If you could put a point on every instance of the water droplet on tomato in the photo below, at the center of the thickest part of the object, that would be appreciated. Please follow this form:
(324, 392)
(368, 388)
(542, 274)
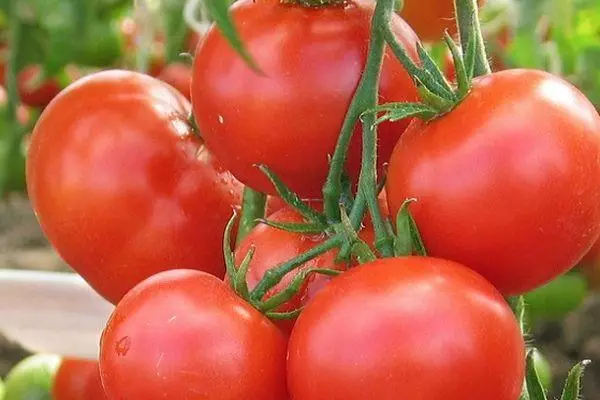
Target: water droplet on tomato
(123, 346)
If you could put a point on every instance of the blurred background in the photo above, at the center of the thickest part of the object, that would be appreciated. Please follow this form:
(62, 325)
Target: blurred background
(47, 44)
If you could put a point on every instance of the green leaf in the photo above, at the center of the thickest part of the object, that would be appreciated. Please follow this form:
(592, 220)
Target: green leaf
(240, 281)
(292, 198)
(532, 379)
(462, 77)
(407, 239)
(307, 228)
(403, 244)
(573, 383)
(219, 11)
(228, 251)
(433, 70)
(396, 111)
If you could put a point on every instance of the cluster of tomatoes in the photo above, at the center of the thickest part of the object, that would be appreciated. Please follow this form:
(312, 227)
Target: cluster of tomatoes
(137, 199)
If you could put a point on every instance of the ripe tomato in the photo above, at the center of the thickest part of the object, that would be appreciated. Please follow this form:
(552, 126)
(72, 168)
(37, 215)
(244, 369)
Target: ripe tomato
(430, 18)
(406, 328)
(290, 117)
(78, 379)
(184, 335)
(179, 76)
(33, 94)
(507, 182)
(121, 185)
(275, 246)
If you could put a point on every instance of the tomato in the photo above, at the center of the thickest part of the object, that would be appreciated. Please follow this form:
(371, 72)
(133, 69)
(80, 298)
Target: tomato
(406, 328)
(184, 335)
(507, 182)
(32, 378)
(78, 379)
(275, 246)
(179, 76)
(430, 18)
(557, 298)
(32, 93)
(121, 185)
(290, 117)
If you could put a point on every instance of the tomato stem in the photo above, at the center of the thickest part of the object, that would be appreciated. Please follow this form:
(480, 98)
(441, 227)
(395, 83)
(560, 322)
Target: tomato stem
(365, 98)
(274, 275)
(253, 208)
(469, 28)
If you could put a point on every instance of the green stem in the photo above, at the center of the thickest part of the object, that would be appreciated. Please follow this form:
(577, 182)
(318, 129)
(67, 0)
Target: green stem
(367, 183)
(253, 208)
(273, 276)
(333, 185)
(467, 19)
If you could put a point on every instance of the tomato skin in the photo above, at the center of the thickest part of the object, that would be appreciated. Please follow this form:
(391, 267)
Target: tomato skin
(179, 76)
(184, 335)
(290, 118)
(121, 185)
(430, 18)
(275, 246)
(406, 328)
(35, 96)
(78, 379)
(507, 182)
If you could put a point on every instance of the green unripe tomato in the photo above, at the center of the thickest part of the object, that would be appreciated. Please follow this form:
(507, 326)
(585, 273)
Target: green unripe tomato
(557, 298)
(32, 378)
(542, 367)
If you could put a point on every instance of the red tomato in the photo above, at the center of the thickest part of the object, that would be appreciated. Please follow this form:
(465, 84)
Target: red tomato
(430, 18)
(406, 328)
(179, 76)
(507, 182)
(32, 93)
(275, 246)
(290, 118)
(78, 380)
(184, 335)
(121, 185)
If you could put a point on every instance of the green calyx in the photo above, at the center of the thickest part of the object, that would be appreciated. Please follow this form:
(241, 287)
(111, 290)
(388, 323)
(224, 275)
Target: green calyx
(438, 96)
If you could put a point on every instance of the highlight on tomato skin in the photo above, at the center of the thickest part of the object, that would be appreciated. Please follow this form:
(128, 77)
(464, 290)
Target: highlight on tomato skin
(248, 119)
(495, 179)
(121, 185)
(407, 328)
(184, 334)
